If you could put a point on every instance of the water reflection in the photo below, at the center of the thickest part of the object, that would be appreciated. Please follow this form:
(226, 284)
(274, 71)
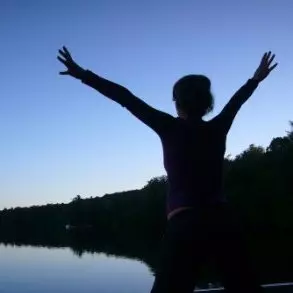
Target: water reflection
(139, 250)
(28, 269)
(136, 250)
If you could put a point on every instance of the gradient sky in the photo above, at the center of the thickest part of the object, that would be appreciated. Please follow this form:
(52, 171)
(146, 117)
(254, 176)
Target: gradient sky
(60, 138)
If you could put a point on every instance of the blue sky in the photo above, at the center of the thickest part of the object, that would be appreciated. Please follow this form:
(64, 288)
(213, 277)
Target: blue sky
(60, 138)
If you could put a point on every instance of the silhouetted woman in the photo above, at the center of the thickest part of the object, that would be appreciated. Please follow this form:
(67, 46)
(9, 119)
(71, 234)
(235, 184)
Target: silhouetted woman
(200, 222)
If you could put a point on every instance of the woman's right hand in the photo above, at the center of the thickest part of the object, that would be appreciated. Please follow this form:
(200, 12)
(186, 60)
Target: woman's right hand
(73, 68)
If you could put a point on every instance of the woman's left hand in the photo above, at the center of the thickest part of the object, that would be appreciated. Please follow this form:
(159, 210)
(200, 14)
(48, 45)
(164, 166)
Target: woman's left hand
(265, 67)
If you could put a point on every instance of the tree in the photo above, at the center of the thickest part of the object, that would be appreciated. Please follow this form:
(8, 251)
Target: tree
(76, 198)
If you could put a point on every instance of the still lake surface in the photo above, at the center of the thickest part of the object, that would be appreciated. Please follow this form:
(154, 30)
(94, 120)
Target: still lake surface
(32, 269)
(27, 269)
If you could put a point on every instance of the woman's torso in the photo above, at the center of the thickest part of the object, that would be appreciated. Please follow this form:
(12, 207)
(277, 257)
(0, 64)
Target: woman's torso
(193, 159)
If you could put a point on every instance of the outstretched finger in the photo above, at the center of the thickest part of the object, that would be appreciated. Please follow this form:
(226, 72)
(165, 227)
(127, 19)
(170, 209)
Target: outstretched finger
(64, 72)
(62, 60)
(273, 67)
(264, 57)
(268, 56)
(63, 54)
(271, 60)
(67, 52)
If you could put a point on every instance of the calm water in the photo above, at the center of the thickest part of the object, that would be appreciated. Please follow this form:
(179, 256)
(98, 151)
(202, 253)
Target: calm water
(28, 269)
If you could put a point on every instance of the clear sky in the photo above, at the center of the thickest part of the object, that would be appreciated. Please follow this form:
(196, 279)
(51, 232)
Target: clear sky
(60, 138)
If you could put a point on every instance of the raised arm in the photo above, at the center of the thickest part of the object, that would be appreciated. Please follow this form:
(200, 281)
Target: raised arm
(157, 120)
(227, 115)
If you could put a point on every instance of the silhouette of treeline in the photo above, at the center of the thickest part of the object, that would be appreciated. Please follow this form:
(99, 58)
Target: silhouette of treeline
(258, 182)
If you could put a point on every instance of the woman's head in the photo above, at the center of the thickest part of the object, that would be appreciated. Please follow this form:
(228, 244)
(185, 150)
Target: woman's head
(192, 96)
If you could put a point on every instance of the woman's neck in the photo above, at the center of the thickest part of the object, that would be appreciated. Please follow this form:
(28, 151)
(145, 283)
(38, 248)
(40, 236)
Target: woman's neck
(195, 119)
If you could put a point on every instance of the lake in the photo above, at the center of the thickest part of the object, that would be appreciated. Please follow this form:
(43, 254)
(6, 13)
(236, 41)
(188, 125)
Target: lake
(32, 269)
(27, 269)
